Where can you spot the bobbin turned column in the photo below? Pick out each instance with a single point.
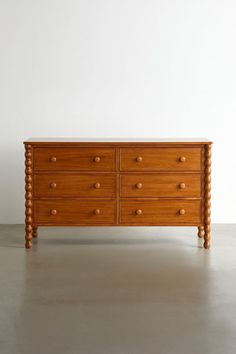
(28, 197)
(200, 231)
(207, 199)
(35, 231)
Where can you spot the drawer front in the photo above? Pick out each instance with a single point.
(72, 185)
(162, 185)
(95, 159)
(160, 159)
(78, 212)
(160, 212)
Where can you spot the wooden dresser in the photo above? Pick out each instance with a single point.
(117, 182)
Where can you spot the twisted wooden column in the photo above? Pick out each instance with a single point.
(28, 197)
(207, 199)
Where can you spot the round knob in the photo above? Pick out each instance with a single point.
(182, 211)
(139, 185)
(182, 185)
(97, 185)
(138, 212)
(53, 159)
(97, 159)
(182, 159)
(139, 159)
(53, 212)
(53, 185)
(96, 211)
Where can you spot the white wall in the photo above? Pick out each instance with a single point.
(127, 68)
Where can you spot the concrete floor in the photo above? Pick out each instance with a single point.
(118, 291)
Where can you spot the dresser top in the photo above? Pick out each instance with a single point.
(119, 140)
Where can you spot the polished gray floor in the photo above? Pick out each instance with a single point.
(118, 291)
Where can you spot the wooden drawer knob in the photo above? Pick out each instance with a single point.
(139, 185)
(97, 185)
(138, 212)
(181, 211)
(97, 159)
(182, 159)
(53, 159)
(53, 212)
(139, 159)
(53, 185)
(96, 211)
(182, 185)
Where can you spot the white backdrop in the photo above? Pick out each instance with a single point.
(117, 68)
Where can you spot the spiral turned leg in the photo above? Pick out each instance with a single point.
(207, 206)
(200, 231)
(28, 197)
(35, 232)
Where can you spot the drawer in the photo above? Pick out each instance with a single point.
(70, 158)
(160, 212)
(77, 212)
(73, 185)
(160, 185)
(160, 159)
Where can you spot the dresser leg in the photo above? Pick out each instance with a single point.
(35, 232)
(207, 237)
(200, 231)
(28, 236)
